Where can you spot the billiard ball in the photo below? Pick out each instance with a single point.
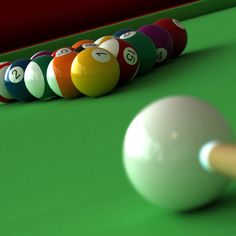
(127, 57)
(84, 46)
(122, 31)
(6, 96)
(95, 72)
(5, 100)
(61, 51)
(35, 78)
(161, 152)
(103, 39)
(144, 47)
(81, 42)
(59, 78)
(41, 53)
(162, 40)
(177, 32)
(14, 81)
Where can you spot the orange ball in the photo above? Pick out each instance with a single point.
(61, 51)
(59, 78)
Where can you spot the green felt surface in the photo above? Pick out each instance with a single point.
(61, 170)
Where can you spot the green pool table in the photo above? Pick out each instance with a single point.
(61, 170)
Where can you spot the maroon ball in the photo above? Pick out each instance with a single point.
(177, 32)
(162, 40)
(41, 53)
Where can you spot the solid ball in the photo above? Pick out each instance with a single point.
(35, 78)
(61, 51)
(14, 81)
(41, 53)
(81, 42)
(59, 77)
(84, 46)
(95, 72)
(103, 39)
(127, 57)
(177, 32)
(162, 40)
(122, 31)
(161, 152)
(6, 96)
(144, 47)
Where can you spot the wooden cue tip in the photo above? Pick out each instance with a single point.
(219, 157)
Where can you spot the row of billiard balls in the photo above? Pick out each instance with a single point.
(92, 68)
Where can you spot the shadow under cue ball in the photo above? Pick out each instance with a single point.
(161, 152)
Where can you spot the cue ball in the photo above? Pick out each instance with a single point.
(161, 152)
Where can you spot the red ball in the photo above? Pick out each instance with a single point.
(177, 32)
(6, 100)
(81, 42)
(84, 46)
(5, 96)
(125, 55)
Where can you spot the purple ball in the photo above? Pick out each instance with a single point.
(162, 40)
(41, 53)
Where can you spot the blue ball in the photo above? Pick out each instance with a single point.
(120, 32)
(14, 80)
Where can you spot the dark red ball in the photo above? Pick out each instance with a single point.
(177, 32)
(127, 57)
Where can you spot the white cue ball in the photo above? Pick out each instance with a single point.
(161, 152)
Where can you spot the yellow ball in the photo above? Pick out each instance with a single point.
(104, 39)
(95, 72)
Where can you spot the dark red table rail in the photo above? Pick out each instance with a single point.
(25, 23)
